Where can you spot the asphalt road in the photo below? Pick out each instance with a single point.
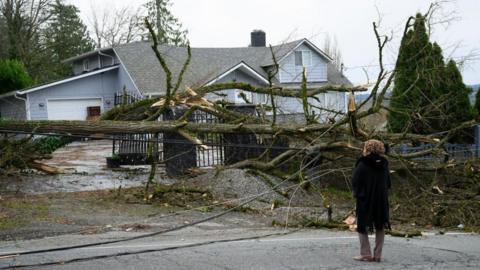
(197, 249)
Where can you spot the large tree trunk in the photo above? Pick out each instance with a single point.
(126, 127)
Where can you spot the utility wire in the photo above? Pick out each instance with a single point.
(149, 235)
(178, 227)
(148, 250)
(158, 232)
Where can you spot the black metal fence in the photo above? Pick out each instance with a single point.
(211, 153)
(180, 154)
(124, 98)
(137, 149)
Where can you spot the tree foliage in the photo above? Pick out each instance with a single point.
(456, 95)
(13, 76)
(40, 34)
(477, 102)
(428, 95)
(168, 28)
(66, 36)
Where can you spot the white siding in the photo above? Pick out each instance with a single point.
(124, 80)
(232, 95)
(331, 101)
(317, 72)
(102, 85)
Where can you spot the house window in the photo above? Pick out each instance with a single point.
(262, 98)
(303, 58)
(243, 96)
(85, 65)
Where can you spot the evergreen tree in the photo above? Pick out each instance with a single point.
(169, 30)
(3, 38)
(23, 21)
(477, 103)
(13, 76)
(411, 78)
(428, 96)
(66, 36)
(457, 102)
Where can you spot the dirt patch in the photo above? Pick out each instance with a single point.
(237, 186)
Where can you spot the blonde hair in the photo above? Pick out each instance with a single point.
(373, 147)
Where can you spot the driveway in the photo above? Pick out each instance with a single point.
(82, 157)
(84, 166)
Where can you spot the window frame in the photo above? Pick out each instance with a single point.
(86, 64)
(305, 58)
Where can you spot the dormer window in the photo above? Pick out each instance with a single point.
(85, 65)
(303, 58)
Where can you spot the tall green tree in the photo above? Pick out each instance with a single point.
(169, 29)
(477, 103)
(13, 76)
(456, 93)
(428, 96)
(3, 38)
(65, 36)
(24, 20)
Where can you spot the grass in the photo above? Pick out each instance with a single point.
(15, 213)
(337, 194)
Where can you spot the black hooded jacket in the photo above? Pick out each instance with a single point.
(371, 181)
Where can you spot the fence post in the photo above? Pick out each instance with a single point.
(477, 141)
(235, 149)
(179, 153)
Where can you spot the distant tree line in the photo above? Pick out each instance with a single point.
(37, 35)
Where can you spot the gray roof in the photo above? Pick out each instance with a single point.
(206, 63)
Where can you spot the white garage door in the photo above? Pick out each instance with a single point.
(71, 109)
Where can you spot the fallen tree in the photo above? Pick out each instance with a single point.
(338, 140)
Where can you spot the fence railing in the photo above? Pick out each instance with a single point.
(180, 154)
(125, 98)
(453, 151)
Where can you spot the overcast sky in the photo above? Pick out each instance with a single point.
(227, 23)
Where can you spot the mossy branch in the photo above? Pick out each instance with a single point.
(162, 61)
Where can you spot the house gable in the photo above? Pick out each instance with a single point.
(239, 73)
(93, 60)
(304, 55)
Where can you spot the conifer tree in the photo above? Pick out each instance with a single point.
(66, 36)
(477, 103)
(457, 102)
(169, 29)
(428, 96)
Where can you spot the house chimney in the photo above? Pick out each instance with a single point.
(257, 38)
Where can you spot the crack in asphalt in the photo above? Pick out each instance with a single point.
(145, 251)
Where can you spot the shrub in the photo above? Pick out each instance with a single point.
(13, 76)
(46, 145)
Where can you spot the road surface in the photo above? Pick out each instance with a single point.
(196, 248)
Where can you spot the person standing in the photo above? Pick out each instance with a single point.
(371, 182)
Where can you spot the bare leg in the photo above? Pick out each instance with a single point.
(379, 239)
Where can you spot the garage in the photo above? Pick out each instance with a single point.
(73, 109)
